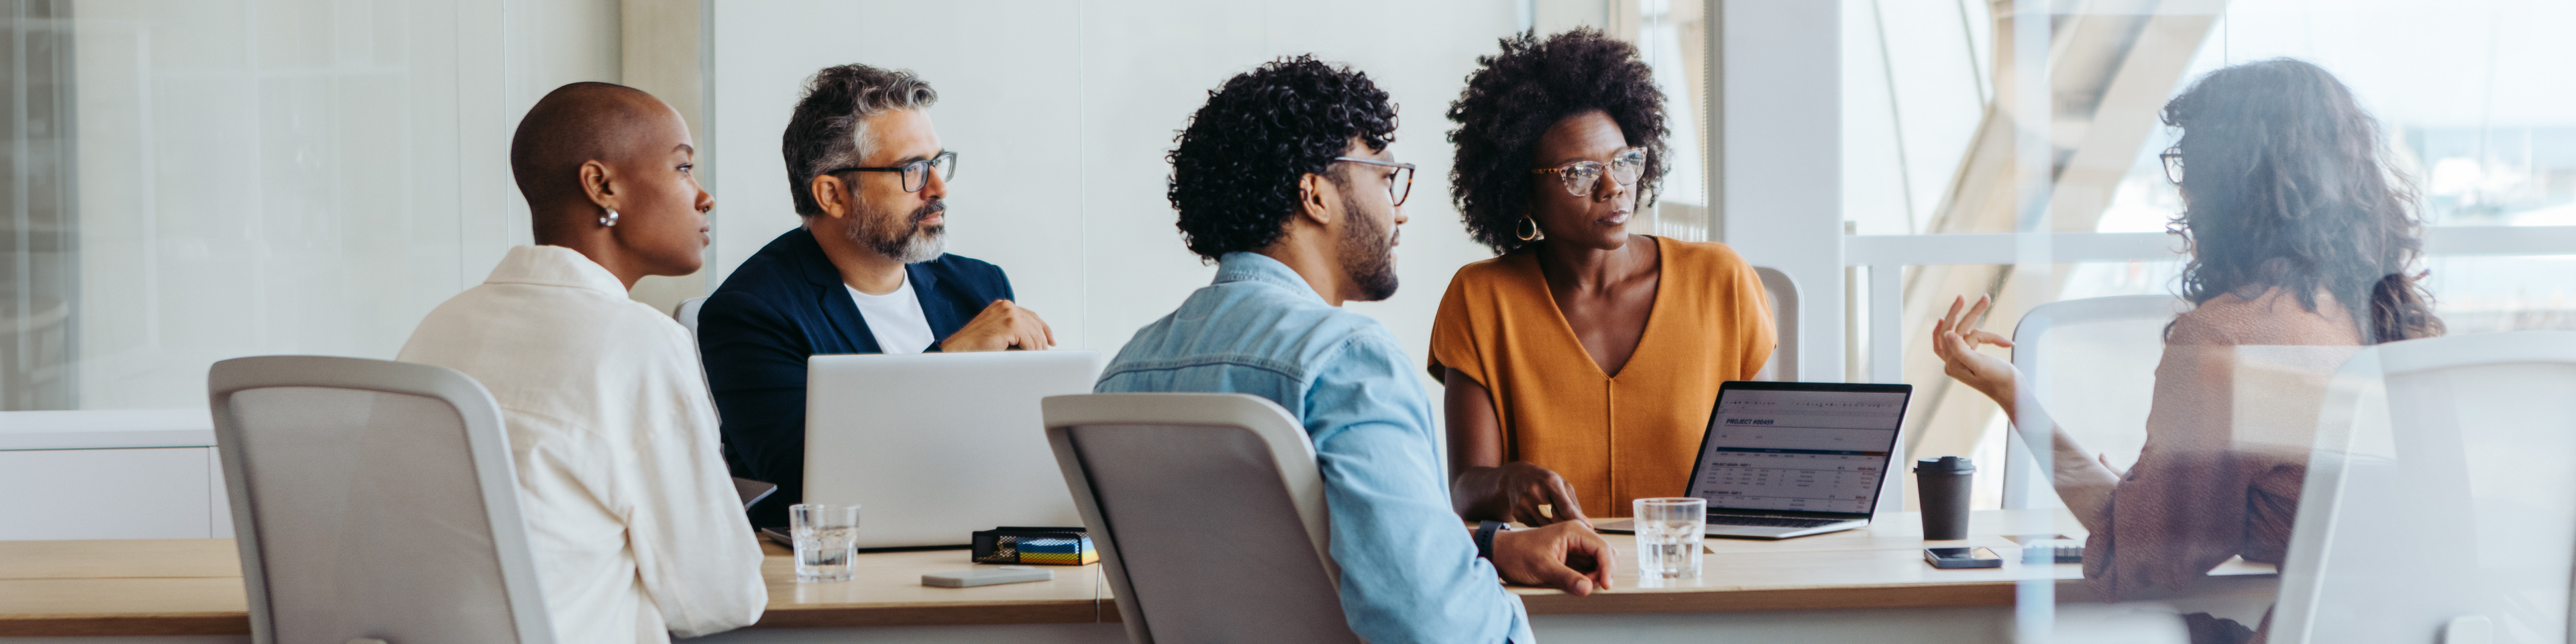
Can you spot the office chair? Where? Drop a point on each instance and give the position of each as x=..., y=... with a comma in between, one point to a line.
x=751, y=491
x=373, y=500
x=687, y=314
x=1783, y=293
x=2091, y=364
x=1208, y=513
x=2439, y=505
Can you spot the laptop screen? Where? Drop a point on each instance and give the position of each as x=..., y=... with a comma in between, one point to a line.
x=1798, y=446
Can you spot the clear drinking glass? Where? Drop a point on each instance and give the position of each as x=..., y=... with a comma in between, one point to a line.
x=1668, y=536
x=827, y=539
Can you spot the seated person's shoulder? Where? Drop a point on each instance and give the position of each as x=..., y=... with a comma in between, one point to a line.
x=734, y=304
x=1482, y=282
x=964, y=265
x=2273, y=318
x=1357, y=337
x=774, y=268
x=1489, y=269
x=1369, y=336
x=760, y=274
x=982, y=275
x=1269, y=305
x=1265, y=315
x=649, y=329
x=1710, y=257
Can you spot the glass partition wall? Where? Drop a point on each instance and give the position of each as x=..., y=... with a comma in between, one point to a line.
x=2065, y=199
x=188, y=182
x=1936, y=194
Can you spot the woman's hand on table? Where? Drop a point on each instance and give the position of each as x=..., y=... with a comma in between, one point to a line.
x=1956, y=341
x=1514, y=491
x=1566, y=556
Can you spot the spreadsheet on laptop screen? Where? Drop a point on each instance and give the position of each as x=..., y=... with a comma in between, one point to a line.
x=1817, y=451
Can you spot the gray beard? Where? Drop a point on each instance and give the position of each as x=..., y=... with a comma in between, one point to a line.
x=912, y=244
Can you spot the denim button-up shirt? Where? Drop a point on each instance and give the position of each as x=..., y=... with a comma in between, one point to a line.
x=1409, y=570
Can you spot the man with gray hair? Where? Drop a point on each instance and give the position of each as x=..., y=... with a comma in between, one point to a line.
x=864, y=274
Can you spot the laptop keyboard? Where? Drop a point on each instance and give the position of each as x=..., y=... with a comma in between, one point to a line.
x=1769, y=522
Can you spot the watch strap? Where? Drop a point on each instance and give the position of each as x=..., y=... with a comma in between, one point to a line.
x=1485, y=537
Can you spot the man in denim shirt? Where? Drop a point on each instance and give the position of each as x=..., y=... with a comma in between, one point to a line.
x=1284, y=179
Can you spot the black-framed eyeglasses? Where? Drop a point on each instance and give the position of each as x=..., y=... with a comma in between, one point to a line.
x=1399, y=181
x=1580, y=176
x=2172, y=158
x=916, y=175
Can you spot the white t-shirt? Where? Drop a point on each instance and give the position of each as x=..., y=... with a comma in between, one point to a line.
x=895, y=318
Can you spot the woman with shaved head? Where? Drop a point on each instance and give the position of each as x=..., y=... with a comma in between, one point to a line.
x=637, y=531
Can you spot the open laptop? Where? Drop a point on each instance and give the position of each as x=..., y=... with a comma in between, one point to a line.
x=1791, y=459
x=935, y=446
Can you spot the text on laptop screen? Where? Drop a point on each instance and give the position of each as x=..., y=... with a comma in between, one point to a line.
x=1817, y=451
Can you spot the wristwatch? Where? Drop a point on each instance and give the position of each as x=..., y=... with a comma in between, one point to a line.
x=1485, y=537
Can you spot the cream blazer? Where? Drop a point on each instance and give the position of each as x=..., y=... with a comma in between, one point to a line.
x=632, y=516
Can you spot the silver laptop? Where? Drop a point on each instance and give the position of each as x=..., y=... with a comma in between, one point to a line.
x=935, y=446
x=1791, y=459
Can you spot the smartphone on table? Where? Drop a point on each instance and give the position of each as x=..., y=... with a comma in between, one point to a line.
x=1962, y=558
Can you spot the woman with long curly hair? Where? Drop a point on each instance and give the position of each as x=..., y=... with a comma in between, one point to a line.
x=1581, y=361
x=2302, y=240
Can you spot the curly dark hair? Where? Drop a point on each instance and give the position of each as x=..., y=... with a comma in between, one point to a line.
x=1235, y=169
x=2286, y=188
x=1517, y=95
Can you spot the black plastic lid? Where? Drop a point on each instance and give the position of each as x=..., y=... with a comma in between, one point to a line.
x=1945, y=464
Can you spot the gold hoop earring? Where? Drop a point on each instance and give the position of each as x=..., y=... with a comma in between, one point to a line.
x=609, y=219
x=1534, y=233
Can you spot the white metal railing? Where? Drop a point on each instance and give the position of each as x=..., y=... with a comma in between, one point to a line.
x=1883, y=259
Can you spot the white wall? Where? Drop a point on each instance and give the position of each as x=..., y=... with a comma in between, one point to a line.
x=1062, y=113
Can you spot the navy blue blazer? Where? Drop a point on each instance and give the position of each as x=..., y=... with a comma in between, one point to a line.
x=783, y=305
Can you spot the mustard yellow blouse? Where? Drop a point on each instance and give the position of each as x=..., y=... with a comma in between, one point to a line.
x=1614, y=438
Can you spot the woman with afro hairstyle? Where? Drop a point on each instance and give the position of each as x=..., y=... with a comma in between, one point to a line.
x=1579, y=362
x=2303, y=245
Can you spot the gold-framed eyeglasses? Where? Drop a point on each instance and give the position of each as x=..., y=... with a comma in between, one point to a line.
x=916, y=175
x=2172, y=159
x=1399, y=178
x=1580, y=176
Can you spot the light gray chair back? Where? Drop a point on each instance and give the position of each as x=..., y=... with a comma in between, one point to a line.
x=1208, y=513
x=1783, y=293
x=2439, y=506
x=373, y=500
x=688, y=314
x=2091, y=365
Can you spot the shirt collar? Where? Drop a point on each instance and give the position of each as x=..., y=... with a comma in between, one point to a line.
x=1255, y=267
x=554, y=266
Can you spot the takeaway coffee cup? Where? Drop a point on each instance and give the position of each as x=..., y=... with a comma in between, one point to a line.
x=1941, y=484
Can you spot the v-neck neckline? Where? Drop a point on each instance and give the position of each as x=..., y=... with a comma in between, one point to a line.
x=1565, y=327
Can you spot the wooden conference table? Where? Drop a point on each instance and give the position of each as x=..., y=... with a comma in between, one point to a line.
x=194, y=587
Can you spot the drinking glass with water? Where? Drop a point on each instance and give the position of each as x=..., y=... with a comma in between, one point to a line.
x=1668, y=536
x=827, y=539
